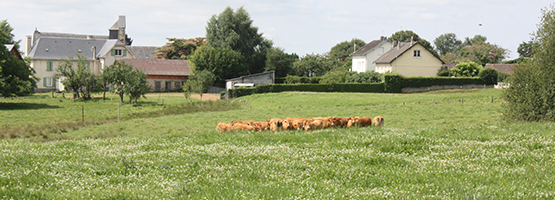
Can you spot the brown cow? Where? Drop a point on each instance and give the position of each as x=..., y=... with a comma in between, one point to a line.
x=275, y=124
x=378, y=121
x=223, y=127
x=364, y=121
x=261, y=126
x=241, y=127
x=313, y=125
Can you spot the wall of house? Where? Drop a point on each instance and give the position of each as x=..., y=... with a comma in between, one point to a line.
x=383, y=68
x=408, y=65
x=366, y=63
x=41, y=72
x=159, y=83
x=109, y=59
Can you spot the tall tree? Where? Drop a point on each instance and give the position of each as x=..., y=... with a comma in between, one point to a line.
x=280, y=62
x=341, y=51
x=199, y=82
x=525, y=49
x=178, y=48
x=224, y=63
x=531, y=96
x=312, y=65
x=477, y=39
x=234, y=30
x=483, y=53
x=16, y=76
x=447, y=43
x=408, y=35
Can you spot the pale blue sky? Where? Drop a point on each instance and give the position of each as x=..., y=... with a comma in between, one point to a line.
x=300, y=26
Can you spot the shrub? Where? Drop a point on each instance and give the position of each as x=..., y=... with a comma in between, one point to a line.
x=334, y=77
x=364, y=77
x=466, y=69
x=502, y=76
x=488, y=75
x=443, y=72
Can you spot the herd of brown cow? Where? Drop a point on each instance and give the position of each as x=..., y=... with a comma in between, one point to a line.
x=300, y=123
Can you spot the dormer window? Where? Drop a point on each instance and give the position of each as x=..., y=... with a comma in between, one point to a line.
x=119, y=52
x=417, y=53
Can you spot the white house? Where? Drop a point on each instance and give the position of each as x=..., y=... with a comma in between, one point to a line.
x=47, y=50
x=363, y=58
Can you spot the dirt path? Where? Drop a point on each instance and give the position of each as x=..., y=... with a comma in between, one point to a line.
x=205, y=96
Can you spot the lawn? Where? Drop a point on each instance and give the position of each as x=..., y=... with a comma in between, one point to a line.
x=434, y=145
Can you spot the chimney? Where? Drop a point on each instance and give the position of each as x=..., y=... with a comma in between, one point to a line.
x=355, y=47
x=27, y=44
x=411, y=40
x=89, y=37
x=93, y=49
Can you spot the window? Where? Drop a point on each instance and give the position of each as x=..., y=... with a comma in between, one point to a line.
x=157, y=86
x=48, y=82
x=49, y=66
x=417, y=53
x=178, y=85
x=88, y=66
x=117, y=52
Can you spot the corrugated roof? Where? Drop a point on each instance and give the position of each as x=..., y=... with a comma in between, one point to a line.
x=143, y=52
x=507, y=68
x=367, y=48
x=160, y=67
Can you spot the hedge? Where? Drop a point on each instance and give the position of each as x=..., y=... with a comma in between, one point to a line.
x=393, y=83
x=346, y=87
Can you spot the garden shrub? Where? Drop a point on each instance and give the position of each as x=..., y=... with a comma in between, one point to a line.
x=488, y=75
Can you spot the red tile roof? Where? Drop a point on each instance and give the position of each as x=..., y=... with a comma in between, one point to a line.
x=160, y=66
x=507, y=68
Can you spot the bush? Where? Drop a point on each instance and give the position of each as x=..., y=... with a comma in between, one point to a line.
x=444, y=72
x=489, y=75
x=334, y=77
x=344, y=87
x=289, y=79
x=466, y=69
x=364, y=77
x=502, y=76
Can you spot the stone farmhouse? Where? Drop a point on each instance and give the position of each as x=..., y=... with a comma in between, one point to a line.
x=46, y=50
x=406, y=58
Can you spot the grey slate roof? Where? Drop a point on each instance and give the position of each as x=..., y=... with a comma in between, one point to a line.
x=143, y=52
x=160, y=66
x=394, y=53
x=367, y=48
x=52, y=48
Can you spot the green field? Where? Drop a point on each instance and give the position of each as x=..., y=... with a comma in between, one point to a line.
x=434, y=145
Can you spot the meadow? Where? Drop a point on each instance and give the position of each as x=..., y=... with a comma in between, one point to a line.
x=435, y=145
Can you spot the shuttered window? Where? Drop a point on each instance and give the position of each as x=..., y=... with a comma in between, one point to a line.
x=49, y=66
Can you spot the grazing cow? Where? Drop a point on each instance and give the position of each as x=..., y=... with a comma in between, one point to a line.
x=223, y=127
x=364, y=121
x=313, y=125
x=378, y=121
x=297, y=124
x=275, y=124
x=261, y=126
x=241, y=127
x=249, y=122
x=327, y=121
x=353, y=121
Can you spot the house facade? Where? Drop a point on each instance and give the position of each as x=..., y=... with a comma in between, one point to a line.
x=409, y=59
x=363, y=58
x=47, y=50
x=162, y=75
x=263, y=78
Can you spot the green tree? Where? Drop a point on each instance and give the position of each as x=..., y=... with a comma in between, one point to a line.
x=224, y=63
x=447, y=43
x=16, y=76
x=466, y=69
x=408, y=35
x=477, y=39
x=525, y=49
x=489, y=75
x=180, y=48
x=199, y=83
x=234, y=30
x=364, y=77
x=312, y=65
x=341, y=51
x=280, y=62
x=117, y=75
x=483, y=53
x=136, y=85
x=531, y=95
x=80, y=80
